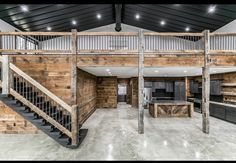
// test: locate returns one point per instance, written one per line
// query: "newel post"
(5, 72)
(74, 67)
(74, 124)
(206, 84)
(5, 75)
(74, 89)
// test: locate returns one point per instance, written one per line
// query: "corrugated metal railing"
(114, 43)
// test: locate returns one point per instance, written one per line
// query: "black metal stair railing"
(42, 108)
(42, 101)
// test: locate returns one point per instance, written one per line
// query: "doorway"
(122, 93)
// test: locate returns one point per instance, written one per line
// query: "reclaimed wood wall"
(134, 91)
(87, 94)
(107, 92)
(52, 72)
(129, 93)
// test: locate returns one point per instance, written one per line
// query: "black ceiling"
(59, 16)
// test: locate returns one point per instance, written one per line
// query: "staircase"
(43, 109)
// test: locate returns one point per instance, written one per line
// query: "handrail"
(110, 33)
(172, 34)
(37, 51)
(107, 33)
(40, 87)
(40, 112)
(37, 33)
(222, 33)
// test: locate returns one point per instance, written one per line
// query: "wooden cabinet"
(153, 87)
(159, 85)
(224, 112)
(230, 114)
(194, 87)
(169, 86)
(215, 87)
(211, 109)
(191, 86)
(219, 111)
(179, 90)
(147, 84)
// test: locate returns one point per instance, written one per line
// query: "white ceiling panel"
(127, 72)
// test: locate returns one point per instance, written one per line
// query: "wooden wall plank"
(87, 94)
(160, 61)
(107, 92)
(51, 72)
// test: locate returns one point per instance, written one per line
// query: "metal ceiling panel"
(59, 16)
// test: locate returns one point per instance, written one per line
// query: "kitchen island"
(170, 108)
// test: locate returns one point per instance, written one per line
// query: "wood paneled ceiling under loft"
(155, 17)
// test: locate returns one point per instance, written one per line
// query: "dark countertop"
(213, 102)
(170, 102)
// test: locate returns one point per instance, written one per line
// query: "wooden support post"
(74, 114)
(141, 83)
(5, 75)
(1, 42)
(74, 67)
(206, 84)
(74, 125)
(186, 87)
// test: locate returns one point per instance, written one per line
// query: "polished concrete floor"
(113, 135)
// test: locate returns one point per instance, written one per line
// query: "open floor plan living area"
(117, 82)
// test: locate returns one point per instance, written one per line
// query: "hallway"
(113, 135)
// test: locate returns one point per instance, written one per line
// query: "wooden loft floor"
(153, 61)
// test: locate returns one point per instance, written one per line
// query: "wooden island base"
(170, 108)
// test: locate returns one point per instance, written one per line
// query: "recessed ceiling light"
(108, 69)
(162, 22)
(177, 5)
(24, 8)
(99, 16)
(185, 71)
(187, 29)
(137, 16)
(212, 9)
(74, 22)
(49, 28)
(156, 71)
